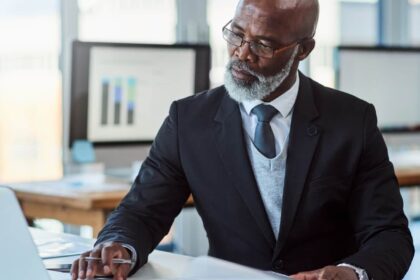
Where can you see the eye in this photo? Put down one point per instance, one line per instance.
(266, 43)
(237, 32)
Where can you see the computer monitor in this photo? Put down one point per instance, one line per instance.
(121, 93)
(389, 78)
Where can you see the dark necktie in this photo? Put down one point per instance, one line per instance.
(264, 138)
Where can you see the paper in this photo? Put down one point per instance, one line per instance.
(52, 245)
(73, 185)
(59, 275)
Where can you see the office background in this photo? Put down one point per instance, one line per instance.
(36, 48)
(35, 63)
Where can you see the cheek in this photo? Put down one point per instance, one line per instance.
(231, 50)
(267, 68)
(275, 65)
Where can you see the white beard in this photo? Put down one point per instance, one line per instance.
(258, 89)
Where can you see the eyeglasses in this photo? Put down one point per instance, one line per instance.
(258, 49)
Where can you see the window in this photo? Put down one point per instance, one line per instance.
(327, 38)
(337, 26)
(30, 91)
(364, 30)
(219, 13)
(141, 21)
(414, 22)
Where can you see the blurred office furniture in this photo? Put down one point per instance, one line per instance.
(73, 200)
(407, 167)
(82, 152)
(404, 153)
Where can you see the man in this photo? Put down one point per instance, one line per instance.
(286, 174)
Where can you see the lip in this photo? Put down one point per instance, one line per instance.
(242, 75)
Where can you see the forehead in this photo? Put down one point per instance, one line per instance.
(260, 19)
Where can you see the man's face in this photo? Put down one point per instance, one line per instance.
(258, 86)
(249, 76)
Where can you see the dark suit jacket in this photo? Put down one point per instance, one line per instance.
(341, 200)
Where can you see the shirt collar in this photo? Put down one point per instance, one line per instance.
(284, 103)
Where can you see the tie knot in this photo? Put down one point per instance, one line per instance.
(264, 112)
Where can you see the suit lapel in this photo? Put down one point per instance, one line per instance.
(304, 136)
(232, 150)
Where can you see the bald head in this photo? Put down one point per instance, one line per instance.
(298, 18)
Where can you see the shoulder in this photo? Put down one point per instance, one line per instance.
(202, 103)
(329, 100)
(205, 97)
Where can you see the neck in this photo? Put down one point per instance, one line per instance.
(285, 86)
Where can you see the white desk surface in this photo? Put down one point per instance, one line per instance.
(164, 265)
(161, 265)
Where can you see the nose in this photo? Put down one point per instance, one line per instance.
(244, 52)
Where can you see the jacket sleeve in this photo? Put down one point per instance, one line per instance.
(376, 211)
(157, 196)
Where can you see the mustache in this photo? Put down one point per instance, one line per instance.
(243, 66)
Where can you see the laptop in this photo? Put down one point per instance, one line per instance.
(19, 258)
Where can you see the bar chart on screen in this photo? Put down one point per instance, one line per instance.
(130, 90)
(118, 104)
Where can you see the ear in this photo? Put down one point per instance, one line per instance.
(305, 48)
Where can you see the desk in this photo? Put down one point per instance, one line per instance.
(161, 265)
(48, 200)
(408, 176)
(407, 167)
(78, 208)
(173, 266)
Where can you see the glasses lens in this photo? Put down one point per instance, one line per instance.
(232, 38)
(261, 50)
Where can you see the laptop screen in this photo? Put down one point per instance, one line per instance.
(19, 258)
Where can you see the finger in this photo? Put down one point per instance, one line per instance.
(122, 272)
(110, 252)
(329, 272)
(92, 266)
(74, 269)
(82, 265)
(297, 276)
(322, 275)
(300, 276)
(308, 275)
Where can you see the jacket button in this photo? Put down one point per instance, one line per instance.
(278, 265)
(312, 130)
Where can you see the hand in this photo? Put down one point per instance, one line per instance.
(107, 251)
(327, 273)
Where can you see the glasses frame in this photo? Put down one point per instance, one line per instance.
(253, 43)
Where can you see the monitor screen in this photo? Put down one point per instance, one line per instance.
(121, 93)
(389, 78)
